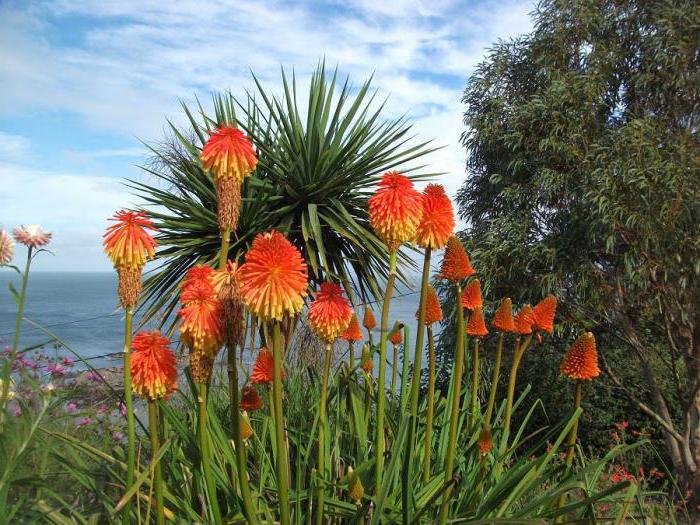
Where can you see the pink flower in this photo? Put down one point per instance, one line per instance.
(122, 408)
(102, 409)
(7, 247)
(67, 361)
(71, 408)
(83, 422)
(56, 369)
(17, 412)
(93, 376)
(118, 436)
(32, 236)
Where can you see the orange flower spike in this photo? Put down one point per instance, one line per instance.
(395, 210)
(438, 221)
(503, 318)
(471, 296)
(250, 400)
(455, 263)
(476, 326)
(368, 321)
(433, 310)
(229, 153)
(201, 315)
(201, 273)
(543, 314)
(127, 243)
(273, 279)
(153, 371)
(353, 332)
(396, 338)
(485, 441)
(330, 312)
(524, 320)
(581, 362)
(263, 369)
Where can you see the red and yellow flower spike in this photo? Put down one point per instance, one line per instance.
(543, 314)
(263, 369)
(394, 210)
(581, 362)
(250, 400)
(476, 326)
(153, 371)
(503, 318)
(229, 154)
(396, 338)
(438, 220)
(455, 263)
(353, 332)
(201, 315)
(127, 243)
(330, 313)
(200, 274)
(471, 296)
(433, 310)
(273, 279)
(524, 320)
(369, 321)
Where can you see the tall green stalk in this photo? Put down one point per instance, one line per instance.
(428, 447)
(494, 381)
(205, 451)
(130, 419)
(381, 380)
(418, 352)
(351, 351)
(571, 442)
(454, 413)
(155, 446)
(520, 348)
(476, 374)
(394, 369)
(281, 464)
(321, 462)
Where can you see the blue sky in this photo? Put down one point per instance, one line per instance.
(83, 82)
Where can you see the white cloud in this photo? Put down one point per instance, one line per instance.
(13, 147)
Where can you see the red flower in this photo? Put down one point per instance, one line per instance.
(471, 296)
(524, 320)
(153, 370)
(263, 369)
(396, 338)
(476, 326)
(250, 400)
(368, 321)
(229, 154)
(503, 318)
(127, 243)
(433, 310)
(543, 314)
(353, 332)
(438, 220)
(201, 315)
(582, 360)
(395, 210)
(330, 312)
(455, 263)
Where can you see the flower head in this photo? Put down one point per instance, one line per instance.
(273, 279)
(455, 263)
(32, 235)
(543, 314)
(433, 310)
(395, 210)
(201, 315)
(438, 220)
(355, 489)
(7, 247)
(366, 361)
(396, 338)
(226, 282)
(200, 274)
(330, 312)
(476, 326)
(524, 320)
(229, 153)
(250, 400)
(368, 321)
(153, 369)
(471, 296)
(503, 318)
(485, 442)
(581, 362)
(353, 332)
(263, 370)
(127, 243)
(246, 429)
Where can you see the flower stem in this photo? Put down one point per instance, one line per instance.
(223, 254)
(321, 463)
(351, 351)
(418, 352)
(571, 441)
(494, 381)
(206, 453)
(394, 370)
(281, 466)
(520, 348)
(454, 414)
(155, 446)
(476, 373)
(381, 380)
(431, 407)
(129, 401)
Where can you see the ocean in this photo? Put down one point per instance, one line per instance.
(81, 309)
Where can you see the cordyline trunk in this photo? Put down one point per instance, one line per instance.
(683, 445)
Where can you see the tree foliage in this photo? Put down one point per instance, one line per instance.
(584, 169)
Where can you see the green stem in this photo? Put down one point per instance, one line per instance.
(155, 446)
(571, 443)
(431, 407)
(418, 352)
(494, 381)
(206, 452)
(404, 368)
(381, 380)
(394, 370)
(321, 463)
(281, 466)
(476, 373)
(517, 356)
(223, 254)
(130, 420)
(454, 413)
(351, 351)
